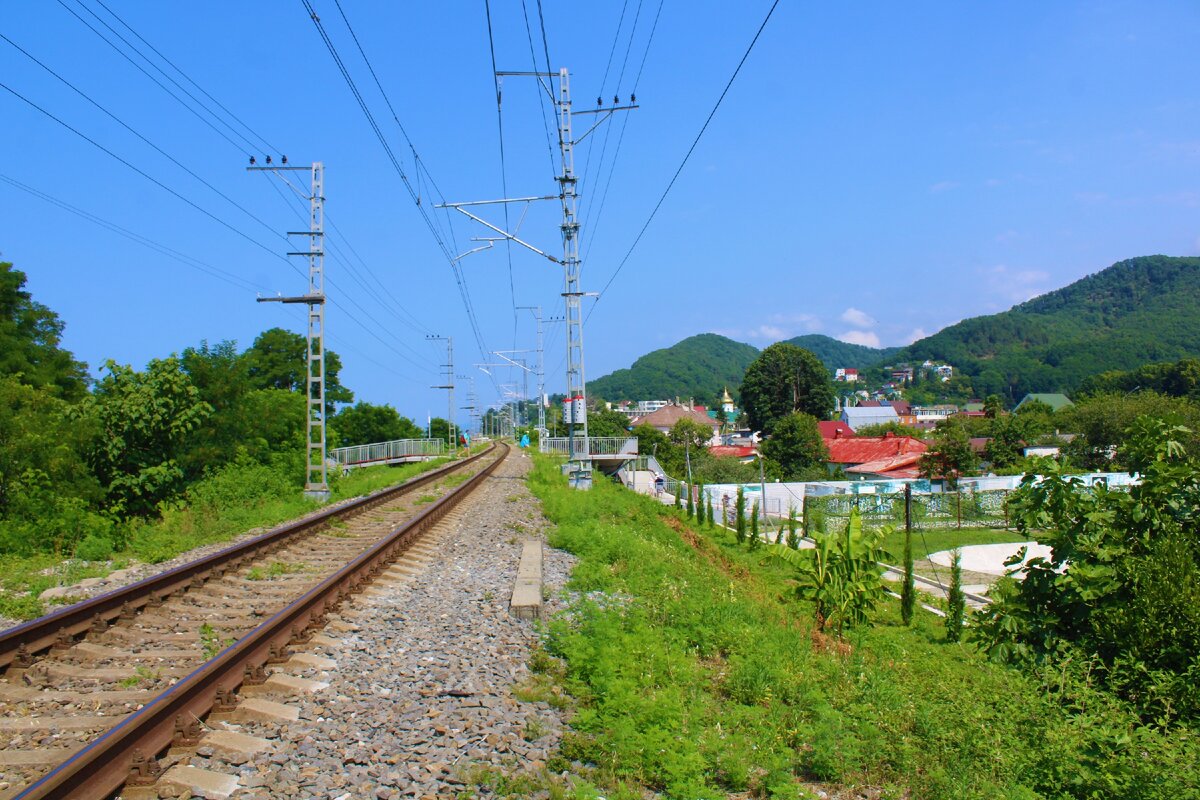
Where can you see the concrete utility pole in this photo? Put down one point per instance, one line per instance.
(541, 370)
(579, 465)
(316, 483)
(449, 387)
(471, 406)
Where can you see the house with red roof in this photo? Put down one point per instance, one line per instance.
(743, 453)
(887, 456)
(835, 429)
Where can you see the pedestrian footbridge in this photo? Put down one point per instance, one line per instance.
(606, 452)
(399, 451)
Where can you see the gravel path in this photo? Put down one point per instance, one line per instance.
(421, 698)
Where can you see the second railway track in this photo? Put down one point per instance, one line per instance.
(94, 691)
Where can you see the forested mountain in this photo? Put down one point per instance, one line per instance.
(835, 354)
(1135, 312)
(698, 367)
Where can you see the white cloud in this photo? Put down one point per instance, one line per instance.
(859, 319)
(868, 338)
(943, 186)
(917, 333)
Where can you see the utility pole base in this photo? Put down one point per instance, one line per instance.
(579, 474)
(315, 491)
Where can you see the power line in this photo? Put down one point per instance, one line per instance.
(350, 83)
(269, 147)
(145, 175)
(487, 6)
(186, 260)
(688, 155)
(136, 133)
(142, 69)
(539, 86)
(621, 138)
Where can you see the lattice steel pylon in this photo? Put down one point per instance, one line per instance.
(579, 465)
(316, 484)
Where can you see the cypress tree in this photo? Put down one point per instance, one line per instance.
(754, 540)
(678, 496)
(711, 518)
(956, 605)
(793, 540)
(740, 509)
(700, 511)
(691, 504)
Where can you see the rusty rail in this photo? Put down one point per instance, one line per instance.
(103, 766)
(18, 644)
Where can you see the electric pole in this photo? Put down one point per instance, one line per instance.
(316, 483)
(579, 466)
(449, 387)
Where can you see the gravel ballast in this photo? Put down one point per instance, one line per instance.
(421, 700)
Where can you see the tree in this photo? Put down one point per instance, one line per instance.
(30, 334)
(1120, 591)
(364, 423)
(993, 406)
(785, 379)
(652, 441)
(1102, 423)
(607, 422)
(956, 601)
(690, 434)
(796, 446)
(144, 421)
(740, 515)
(951, 455)
(1007, 439)
(893, 427)
(278, 360)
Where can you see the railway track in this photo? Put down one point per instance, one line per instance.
(94, 692)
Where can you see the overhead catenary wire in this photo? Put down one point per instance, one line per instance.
(194, 263)
(147, 176)
(349, 80)
(487, 6)
(687, 155)
(538, 88)
(620, 140)
(143, 70)
(268, 147)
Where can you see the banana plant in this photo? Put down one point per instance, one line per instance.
(840, 575)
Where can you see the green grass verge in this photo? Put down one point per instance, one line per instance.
(221, 508)
(694, 675)
(926, 542)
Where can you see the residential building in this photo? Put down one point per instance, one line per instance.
(861, 416)
(743, 453)
(664, 418)
(835, 429)
(888, 456)
(846, 374)
(934, 413)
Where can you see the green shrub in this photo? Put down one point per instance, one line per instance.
(94, 548)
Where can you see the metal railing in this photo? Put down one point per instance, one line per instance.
(597, 445)
(386, 451)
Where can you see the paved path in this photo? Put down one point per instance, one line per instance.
(989, 558)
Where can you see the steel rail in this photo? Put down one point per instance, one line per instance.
(20, 643)
(104, 765)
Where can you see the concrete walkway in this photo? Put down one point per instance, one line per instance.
(990, 558)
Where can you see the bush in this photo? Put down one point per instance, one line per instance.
(94, 548)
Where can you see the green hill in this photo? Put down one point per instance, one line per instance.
(697, 367)
(835, 354)
(1136, 312)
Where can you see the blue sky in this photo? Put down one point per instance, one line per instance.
(877, 172)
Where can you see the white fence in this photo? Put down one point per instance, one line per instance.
(386, 451)
(597, 445)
